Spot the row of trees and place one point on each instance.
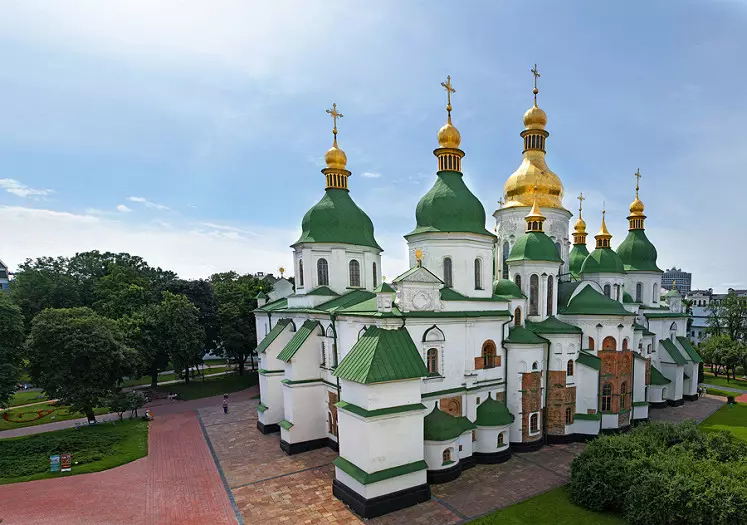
(86, 321)
(726, 349)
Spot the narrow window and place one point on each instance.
(432, 359)
(324, 355)
(322, 272)
(534, 423)
(623, 395)
(517, 316)
(517, 280)
(447, 272)
(488, 354)
(655, 298)
(606, 397)
(591, 343)
(300, 273)
(625, 343)
(534, 295)
(535, 366)
(447, 456)
(505, 258)
(569, 367)
(375, 276)
(639, 292)
(568, 416)
(607, 290)
(478, 274)
(557, 246)
(355, 274)
(500, 440)
(549, 295)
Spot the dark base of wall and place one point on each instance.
(331, 443)
(620, 430)
(445, 475)
(492, 458)
(468, 462)
(693, 397)
(675, 402)
(660, 404)
(304, 446)
(527, 447)
(371, 508)
(268, 429)
(569, 438)
(637, 422)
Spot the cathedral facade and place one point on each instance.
(492, 343)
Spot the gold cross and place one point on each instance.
(500, 202)
(449, 90)
(536, 74)
(335, 115)
(637, 180)
(581, 200)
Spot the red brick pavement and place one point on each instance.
(742, 398)
(177, 483)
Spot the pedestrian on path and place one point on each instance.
(225, 403)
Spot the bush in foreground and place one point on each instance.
(664, 474)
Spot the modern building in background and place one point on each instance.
(683, 280)
(4, 276)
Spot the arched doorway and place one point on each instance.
(609, 343)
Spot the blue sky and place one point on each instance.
(192, 133)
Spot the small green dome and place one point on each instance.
(603, 260)
(627, 298)
(493, 413)
(576, 258)
(534, 246)
(507, 288)
(440, 426)
(638, 253)
(449, 206)
(336, 218)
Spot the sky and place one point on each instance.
(192, 133)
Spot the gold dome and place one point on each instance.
(535, 118)
(532, 172)
(449, 136)
(580, 226)
(335, 157)
(636, 207)
(603, 231)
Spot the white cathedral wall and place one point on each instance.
(520, 359)
(674, 373)
(338, 257)
(650, 297)
(609, 327)
(271, 395)
(655, 393)
(465, 441)
(304, 406)
(528, 268)
(587, 389)
(611, 279)
(382, 395)
(305, 363)
(487, 439)
(434, 453)
(382, 488)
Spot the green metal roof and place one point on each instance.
(261, 295)
(440, 426)
(590, 302)
(493, 413)
(346, 301)
(637, 253)
(534, 246)
(690, 349)
(576, 258)
(657, 378)
(323, 291)
(665, 315)
(279, 304)
(590, 360)
(416, 269)
(449, 206)
(380, 356)
(337, 219)
(645, 330)
(384, 288)
(603, 260)
(449, 294)
(303, 333)
(507, 288)
(628, 299)
(671, 349)
(522, 336)
(553, 325)
(272, 335)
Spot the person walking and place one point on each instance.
(225, 403)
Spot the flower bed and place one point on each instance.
(26, 416)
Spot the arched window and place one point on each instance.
(655, 299)
(609, 343)
(639, 292)
(591, 343)
(569, 367)
(432, 361)
(617, 292)
(607, 290)
(534, 423)
(375, 276)
(447, 456)
(505, 257)
(517, 280)
(534, 295)
(568, 416)
(549, 295)
(517, 316)
(501, 440)
(535, 366)
(300, 273)
(324, 354)
(606, 397)
(322, 272)
(557, 246)
(447, 272)
(625, 343)
(623, 394)
(478, 274)
(488, 354)
(355, 273)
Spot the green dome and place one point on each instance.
(603, 260)
(534, 246)
(440, 426)
(336, 218)
(576, 258)
(508, 288)
(638, 253)
(449, 206)
(493, 413)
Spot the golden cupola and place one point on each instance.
(579, 230)
(535, 219)
(448, 153)
(533, 171)
(604, 236)
(636, 217)
(336, 160)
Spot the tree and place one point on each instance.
(728, 316)
(121, 292)
(78, 356)
(11, 347)
(201, 293)
(178, 328)
(144, 336)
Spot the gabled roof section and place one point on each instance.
(347, 300)
(690, 349)
(590, 302)
(384, 288)
(657, 378)
(303, 333)
(638, 328)
(279, 304)
(671, 349)
(368, 307)
(522, 336)
(380, 356)
(590, 360)
(418, 274)
(323, 291)
(553, 325)
(272, 335)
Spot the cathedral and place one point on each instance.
(492, 343)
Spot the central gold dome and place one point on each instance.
(532, 172)
(335, 157)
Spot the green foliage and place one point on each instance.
(178, 329)
(25, 397)
(724, 352)
(201, 293)
(694, 475)
(93, 448)
(77, 356)
(11, 347)
(728, 316)
(211, 386)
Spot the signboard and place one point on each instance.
(54, 463)
(67, 462)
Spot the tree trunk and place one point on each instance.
(89, 414)
(186, 375)
(242, 363)
(154, 377)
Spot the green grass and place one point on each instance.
(722, 393)
(24, 397)
(551, 508)
(145, 380)
(211, 387)
(729, 417)
(93, 448)
(59, 413)
(721, 381)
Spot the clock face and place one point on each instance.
(421, 301)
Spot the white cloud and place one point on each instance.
(16, 188)
(371, 174)
(123, 208)
(148, 204)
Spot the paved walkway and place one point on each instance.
(726, 388)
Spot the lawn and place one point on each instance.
(55, 413)
(24, 397)
(211, 387)
(93, 448)
(145, 380)
(719, 392)
(551, 508)
(729, 417)
(721, 381)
